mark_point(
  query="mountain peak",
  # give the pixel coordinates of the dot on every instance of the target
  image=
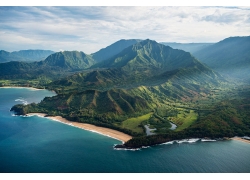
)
(70, 60)
(113, 49)
(149, 55)
(148, 41)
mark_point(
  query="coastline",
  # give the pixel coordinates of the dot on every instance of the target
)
(240, 139)
(89, 127)
(102, 130)
(21, 87)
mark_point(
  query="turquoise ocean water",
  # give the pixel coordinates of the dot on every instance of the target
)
(34, 144)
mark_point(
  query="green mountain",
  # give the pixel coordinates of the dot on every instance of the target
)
(72, 60)
(24, 55)
(98, 104)
(189, 47)
(54, 66)
(148, 55)
(151, 71)
(144, 78)
(227, 118)
(151, 58)
(33, 55)
(113, 49)
(230, 57)
(146, 83)
(16, 69)
(7, 56)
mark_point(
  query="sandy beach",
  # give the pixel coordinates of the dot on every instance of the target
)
(101, 130)
(240, 139)
(19, 87)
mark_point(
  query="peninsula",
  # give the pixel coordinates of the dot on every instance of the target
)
(141, 83)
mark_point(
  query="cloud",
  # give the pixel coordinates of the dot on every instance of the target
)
(88, 28)
(225, 17)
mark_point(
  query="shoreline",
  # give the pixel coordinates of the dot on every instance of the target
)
(97, 129)
(31, 88)
(240, 139)
(21, 87)
(89, 127)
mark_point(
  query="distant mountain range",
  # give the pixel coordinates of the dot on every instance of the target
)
(189, 47)
(230, 57)
(146, 80)
(144, 59)
(54, 66)
(146, 72)
(24, 55)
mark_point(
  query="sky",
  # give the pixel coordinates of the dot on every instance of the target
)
(90, 28)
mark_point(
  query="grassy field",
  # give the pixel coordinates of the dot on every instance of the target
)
(184, 119)
(133, 123)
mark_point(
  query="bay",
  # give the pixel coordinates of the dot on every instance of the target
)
(35, 144)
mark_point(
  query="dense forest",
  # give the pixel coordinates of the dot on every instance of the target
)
(143, 83)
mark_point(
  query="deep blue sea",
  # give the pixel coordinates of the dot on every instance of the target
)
(34, 144)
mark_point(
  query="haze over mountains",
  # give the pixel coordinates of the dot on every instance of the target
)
(230, 57)
(189, 47)
(146, 55)
(142, 75)
(54, 66)
(24, 55)
(137, 62)
(133, 78)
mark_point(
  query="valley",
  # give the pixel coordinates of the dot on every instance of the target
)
(144, 83)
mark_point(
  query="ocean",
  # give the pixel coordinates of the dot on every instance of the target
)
(40, 145)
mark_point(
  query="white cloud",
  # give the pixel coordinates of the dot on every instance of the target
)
(89, 29)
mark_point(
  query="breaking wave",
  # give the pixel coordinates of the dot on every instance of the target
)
(193, 140)
(22, 100)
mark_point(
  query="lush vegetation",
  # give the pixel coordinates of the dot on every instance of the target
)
(69, 60)
(146, 83)
(38, 83)
(135, 124)
(56, 65)
(184, 118)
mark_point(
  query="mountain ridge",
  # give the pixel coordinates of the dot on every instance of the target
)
(230, 57)
(75, 60)
(113, 49)
(24, 55)
(146, 79)
(54, 66)
(188, 47)
(173, 69)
